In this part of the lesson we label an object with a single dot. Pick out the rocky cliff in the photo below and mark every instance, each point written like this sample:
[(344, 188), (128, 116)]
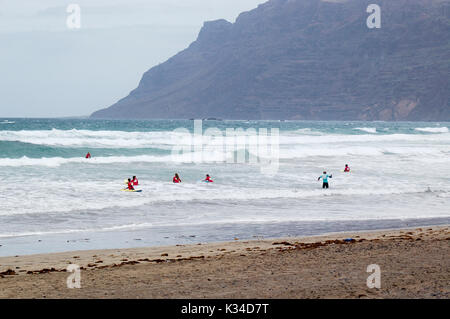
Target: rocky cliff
[(306, 59)]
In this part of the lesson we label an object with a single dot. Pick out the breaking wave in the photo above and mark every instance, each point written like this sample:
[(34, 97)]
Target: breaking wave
[(167, 139), (433, 129), (367, 129)]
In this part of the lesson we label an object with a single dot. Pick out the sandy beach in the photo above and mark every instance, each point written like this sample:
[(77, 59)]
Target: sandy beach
[(414, 263)]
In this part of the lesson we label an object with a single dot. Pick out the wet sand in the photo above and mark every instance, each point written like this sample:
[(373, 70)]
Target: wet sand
[(414, 263)]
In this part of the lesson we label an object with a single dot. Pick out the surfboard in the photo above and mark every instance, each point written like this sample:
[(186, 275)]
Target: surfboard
[(132, 191)]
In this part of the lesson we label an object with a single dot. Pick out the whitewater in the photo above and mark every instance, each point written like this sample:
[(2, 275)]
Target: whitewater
[(53, 199)]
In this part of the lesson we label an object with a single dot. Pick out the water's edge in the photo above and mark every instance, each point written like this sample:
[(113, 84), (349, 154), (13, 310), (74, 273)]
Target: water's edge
[(170, 236)]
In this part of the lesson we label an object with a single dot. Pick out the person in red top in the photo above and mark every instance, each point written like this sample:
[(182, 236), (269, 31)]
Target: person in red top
[(88, 155), (176, 178), (135, 181), (130, 185), (346, 169), (208, 179)]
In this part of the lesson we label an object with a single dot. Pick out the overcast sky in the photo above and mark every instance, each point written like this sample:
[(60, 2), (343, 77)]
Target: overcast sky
[(49, 70)]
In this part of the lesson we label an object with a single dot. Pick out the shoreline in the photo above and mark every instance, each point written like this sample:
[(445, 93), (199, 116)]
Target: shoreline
[(163, 236), (414, 263), (59, 260)]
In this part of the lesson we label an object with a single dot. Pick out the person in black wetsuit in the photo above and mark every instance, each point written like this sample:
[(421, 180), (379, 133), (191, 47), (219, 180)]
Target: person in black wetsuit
[(324, 178)]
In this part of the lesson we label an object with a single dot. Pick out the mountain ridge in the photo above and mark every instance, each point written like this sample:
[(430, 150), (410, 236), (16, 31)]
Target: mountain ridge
[(306, 60)]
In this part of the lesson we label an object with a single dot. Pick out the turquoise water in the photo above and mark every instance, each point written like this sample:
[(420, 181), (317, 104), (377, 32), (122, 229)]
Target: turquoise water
[(53, 199)]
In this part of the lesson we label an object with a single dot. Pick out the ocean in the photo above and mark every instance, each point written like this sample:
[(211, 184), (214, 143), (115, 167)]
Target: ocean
[(53, 199)]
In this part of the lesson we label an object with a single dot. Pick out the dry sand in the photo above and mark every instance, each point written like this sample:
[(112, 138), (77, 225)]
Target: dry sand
[(414, 264)]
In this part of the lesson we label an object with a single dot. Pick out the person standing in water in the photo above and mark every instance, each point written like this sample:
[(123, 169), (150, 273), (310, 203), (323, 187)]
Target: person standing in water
[(130, 185), (208, 179), (347, 169), (176, 179), (88, 155), (324, 178)]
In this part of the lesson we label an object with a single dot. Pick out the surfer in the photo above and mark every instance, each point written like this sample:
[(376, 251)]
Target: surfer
[(208, 179), (135, 181), (130, 185), (347, 169), (88, 155), (324, 178), (176, 179)]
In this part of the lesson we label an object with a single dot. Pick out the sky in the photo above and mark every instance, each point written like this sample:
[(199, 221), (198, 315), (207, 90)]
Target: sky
[(50, 70)]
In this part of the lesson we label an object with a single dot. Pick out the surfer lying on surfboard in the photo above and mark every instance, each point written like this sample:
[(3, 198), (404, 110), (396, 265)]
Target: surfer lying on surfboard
[(208, 179)]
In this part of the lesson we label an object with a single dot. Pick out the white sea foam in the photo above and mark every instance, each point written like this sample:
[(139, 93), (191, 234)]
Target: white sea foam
[(218, 155), (207, 156), (390, 177), (229, 219), (97, 195), (210, 217), (363, 138), (376, 150), (96, 139), (58, 161), (367, 129), (433, 129), (166, 140)]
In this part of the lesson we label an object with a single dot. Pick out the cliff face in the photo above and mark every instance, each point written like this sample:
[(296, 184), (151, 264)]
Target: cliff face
[(306, 59)]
